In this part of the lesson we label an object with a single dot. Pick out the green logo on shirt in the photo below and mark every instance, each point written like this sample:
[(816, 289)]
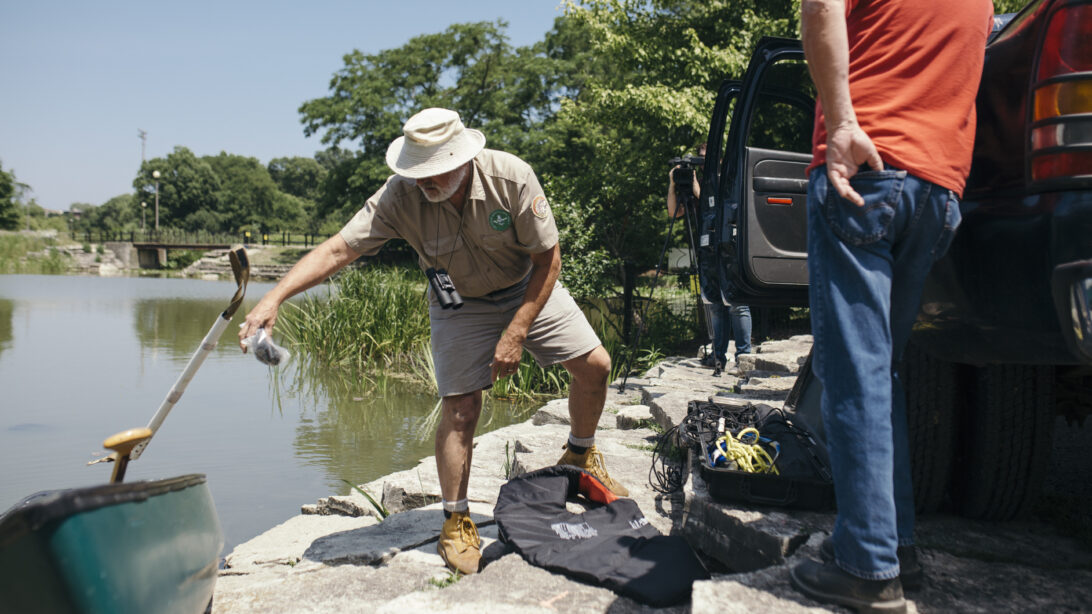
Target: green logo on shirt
[(499, 219)]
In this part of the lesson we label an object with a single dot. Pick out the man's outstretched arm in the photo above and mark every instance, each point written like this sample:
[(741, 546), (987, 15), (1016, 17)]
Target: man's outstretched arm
[(322, 262)]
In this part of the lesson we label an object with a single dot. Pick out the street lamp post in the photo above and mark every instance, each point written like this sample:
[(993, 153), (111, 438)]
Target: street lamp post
[(155, 175), (143, 214)]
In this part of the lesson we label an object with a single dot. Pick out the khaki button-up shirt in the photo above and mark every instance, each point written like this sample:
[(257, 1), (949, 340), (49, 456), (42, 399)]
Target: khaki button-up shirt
[(485, 248)]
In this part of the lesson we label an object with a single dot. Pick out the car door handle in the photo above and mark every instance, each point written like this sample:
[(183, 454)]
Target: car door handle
[(779, 184)]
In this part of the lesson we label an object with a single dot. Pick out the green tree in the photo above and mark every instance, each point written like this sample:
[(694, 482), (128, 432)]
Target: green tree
[(1008, 6), (645, 98), (303, 179), (469, 67), (249, 198), (82, 216), (335, 204), (119, 213), (187, 185), (298, 176), (9, 209)]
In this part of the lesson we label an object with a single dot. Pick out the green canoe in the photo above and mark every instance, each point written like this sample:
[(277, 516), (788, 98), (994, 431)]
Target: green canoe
[(150, 546)]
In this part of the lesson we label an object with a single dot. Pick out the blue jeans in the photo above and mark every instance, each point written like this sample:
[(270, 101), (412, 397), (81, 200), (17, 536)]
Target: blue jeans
[(867, 266), (735, 322)]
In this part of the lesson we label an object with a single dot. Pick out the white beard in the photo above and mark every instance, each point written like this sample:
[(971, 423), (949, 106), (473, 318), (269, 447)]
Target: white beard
[(446, 191)]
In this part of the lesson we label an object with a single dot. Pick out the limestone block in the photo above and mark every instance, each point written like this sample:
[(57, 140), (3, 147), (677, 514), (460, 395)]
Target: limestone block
[(397, 499), (557, 412), (285, 543), (554, 412), (741, 537), (768, 385), (669, 408), (634, 416), (379, 542)]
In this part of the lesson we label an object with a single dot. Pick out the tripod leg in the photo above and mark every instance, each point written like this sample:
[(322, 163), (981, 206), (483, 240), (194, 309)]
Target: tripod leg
[(644, 309)]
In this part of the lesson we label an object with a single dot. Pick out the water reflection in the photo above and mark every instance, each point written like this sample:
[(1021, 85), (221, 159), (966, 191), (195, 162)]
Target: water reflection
[(83, 358), (7, 308), (177, 325), (359, 429)]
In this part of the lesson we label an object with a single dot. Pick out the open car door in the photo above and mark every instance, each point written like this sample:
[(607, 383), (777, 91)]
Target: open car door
[(759, 187)]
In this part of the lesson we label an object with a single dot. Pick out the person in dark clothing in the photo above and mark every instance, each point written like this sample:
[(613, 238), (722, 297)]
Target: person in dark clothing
[(729, 321)]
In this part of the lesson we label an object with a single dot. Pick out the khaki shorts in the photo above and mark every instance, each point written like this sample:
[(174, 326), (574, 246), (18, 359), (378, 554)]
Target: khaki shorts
[(464, 340)]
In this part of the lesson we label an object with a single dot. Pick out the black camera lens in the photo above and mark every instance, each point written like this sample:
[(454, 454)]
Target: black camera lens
[(683, 176)]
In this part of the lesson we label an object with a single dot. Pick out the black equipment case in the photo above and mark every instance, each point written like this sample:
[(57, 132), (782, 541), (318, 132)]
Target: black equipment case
[(804, 478)]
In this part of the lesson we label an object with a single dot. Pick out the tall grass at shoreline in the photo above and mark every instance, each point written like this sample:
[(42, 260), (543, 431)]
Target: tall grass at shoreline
[(373, 323), (30, 255), (369, 319)]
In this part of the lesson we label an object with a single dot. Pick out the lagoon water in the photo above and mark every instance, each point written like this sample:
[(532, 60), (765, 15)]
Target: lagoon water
[(82, 358)]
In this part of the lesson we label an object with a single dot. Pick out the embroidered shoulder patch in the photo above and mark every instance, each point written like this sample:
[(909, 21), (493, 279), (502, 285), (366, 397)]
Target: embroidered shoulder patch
[(540, 207), (499, 220)]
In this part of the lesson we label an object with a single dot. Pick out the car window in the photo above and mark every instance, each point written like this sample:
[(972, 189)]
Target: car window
[(722, 153), (784, 110)]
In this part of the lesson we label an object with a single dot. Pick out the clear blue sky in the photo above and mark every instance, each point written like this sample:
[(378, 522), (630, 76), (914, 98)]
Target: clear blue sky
[(79, 78)]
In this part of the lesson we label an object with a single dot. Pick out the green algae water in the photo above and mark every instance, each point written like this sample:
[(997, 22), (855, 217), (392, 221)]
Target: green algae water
[(82, 358)]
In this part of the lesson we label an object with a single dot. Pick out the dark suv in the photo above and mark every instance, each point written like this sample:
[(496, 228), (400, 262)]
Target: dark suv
[(1003, 341)]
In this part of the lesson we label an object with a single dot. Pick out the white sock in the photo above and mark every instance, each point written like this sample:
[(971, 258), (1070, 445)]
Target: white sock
[(581, 442), (462, 505)]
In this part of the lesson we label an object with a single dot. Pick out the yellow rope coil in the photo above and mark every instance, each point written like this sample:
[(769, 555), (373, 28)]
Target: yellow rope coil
[(748, 456)]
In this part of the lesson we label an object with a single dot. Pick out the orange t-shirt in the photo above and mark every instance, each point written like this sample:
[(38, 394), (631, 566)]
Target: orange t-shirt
[(914, 69)]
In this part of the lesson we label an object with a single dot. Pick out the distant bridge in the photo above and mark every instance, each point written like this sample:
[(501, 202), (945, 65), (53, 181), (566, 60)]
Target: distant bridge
[(153, 254), (151, 247)]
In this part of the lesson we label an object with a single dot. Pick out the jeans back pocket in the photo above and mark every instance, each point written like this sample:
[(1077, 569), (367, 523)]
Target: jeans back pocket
[(866, 224), (952, 218)]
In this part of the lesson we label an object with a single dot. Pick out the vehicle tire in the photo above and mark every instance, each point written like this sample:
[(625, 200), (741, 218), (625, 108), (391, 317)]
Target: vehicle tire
[(1007, 429), (933, 396)]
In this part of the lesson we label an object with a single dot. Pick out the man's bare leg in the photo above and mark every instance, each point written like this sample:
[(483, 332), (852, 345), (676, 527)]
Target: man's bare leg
[(587, 390), (455, 443), (459, 545), (587, 394)]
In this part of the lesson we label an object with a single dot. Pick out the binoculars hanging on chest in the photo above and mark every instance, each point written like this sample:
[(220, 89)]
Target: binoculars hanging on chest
[(443, 289)]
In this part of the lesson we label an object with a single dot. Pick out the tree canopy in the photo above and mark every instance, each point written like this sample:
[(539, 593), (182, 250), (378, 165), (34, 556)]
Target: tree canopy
[(9, 211), (614, 90)]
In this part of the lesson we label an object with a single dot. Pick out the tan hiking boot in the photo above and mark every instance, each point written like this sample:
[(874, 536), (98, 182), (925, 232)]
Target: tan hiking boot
[(592, 462), (459, 545)]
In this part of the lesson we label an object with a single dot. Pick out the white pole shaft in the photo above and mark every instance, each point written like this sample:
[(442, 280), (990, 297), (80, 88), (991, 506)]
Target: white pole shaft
[(207, 345)]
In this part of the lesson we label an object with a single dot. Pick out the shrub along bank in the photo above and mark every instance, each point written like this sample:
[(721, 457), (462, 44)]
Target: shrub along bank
[(29, 254)]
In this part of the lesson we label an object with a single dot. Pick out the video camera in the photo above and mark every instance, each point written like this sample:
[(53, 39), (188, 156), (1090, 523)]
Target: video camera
[(684, 175)]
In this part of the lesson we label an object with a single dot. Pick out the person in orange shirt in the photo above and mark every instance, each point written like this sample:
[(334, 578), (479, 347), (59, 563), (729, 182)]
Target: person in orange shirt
[(894, 131)]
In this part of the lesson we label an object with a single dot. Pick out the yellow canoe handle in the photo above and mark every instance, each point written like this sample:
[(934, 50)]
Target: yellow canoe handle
[(124, 442)]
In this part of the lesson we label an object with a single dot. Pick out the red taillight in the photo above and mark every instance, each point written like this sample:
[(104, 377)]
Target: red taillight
[(1063, 164), (1060, 138), (1067, 47)]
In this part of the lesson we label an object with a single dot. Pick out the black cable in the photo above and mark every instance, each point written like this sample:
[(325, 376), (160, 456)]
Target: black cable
[(666, 476), (700, 426), (667, 473)]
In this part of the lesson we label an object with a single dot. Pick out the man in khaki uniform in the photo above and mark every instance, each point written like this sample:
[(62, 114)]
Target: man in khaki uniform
[(480, 215)]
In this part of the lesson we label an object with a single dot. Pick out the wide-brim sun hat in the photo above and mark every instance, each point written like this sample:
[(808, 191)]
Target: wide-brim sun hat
[(435, 141)]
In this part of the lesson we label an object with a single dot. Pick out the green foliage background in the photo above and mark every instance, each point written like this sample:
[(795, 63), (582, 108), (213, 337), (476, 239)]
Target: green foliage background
[(9, 213), (613, 91)]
